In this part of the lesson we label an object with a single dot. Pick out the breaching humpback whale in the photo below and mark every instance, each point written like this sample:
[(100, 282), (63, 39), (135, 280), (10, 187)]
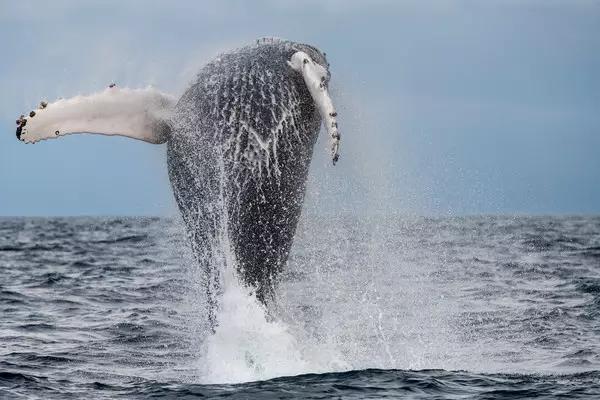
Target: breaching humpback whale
[(240, 141)]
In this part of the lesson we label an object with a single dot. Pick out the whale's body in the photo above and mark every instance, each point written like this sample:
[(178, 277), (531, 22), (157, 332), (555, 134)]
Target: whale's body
[(244, 134), (240, 142)]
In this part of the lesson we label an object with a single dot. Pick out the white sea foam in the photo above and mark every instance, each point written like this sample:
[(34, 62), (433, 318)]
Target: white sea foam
[(248, 347), (249, 344)]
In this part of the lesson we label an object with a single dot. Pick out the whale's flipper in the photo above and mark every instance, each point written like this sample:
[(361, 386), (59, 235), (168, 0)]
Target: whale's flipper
[(316, 78), (141, 114)]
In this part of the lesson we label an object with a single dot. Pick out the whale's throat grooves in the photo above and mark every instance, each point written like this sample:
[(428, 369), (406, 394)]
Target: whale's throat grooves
[(239, 156)]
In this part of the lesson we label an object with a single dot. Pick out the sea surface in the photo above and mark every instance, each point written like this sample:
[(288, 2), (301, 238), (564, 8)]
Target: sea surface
[(370, 307)]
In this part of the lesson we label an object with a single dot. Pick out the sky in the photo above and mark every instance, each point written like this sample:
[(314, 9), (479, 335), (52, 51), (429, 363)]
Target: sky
[(445, 107)]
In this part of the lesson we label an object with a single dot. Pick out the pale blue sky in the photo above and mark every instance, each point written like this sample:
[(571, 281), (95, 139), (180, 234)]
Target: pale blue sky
[(446, 107)]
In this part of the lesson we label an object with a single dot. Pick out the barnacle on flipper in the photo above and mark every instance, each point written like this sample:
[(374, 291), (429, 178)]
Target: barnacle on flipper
[(21, 122)]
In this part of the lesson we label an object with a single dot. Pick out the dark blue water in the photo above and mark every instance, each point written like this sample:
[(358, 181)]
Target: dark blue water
[(480, 307)]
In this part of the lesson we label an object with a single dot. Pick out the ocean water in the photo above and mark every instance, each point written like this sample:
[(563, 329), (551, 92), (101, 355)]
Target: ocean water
[(370, 307)]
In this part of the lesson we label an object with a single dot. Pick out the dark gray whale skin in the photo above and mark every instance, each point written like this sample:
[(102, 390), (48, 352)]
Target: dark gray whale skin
[(234, 192)]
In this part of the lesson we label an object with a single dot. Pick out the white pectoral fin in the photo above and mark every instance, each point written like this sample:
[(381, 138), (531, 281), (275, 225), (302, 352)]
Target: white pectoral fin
[(315, 77), (136, 113)]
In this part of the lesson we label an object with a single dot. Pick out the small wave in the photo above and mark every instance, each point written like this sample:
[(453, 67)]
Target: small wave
[(16, 378), (544, 341), (580, 353), (590, 285), (124, 239), (8, 249), (66, 302), (36, 327), (539, 244), (52, 278), (591, 252), (81, 264), (575, 362), (41, 359), (53, 247), (11, 297), (26, 248)]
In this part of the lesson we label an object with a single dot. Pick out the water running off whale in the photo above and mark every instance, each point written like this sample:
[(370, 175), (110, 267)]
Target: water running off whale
[(240, 141)]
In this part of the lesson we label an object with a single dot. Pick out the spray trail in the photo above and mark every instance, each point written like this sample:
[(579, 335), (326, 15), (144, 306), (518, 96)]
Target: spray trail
[(247, 345)]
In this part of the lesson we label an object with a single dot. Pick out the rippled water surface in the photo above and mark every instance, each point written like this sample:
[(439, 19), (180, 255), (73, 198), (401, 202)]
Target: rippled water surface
[(476, 307)]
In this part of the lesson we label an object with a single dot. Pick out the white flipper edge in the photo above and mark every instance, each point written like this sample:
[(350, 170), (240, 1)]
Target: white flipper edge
[(315, 77), (141, 114)]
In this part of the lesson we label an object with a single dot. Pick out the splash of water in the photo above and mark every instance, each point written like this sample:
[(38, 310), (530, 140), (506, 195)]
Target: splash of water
[(252, 343), (248, 343)]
